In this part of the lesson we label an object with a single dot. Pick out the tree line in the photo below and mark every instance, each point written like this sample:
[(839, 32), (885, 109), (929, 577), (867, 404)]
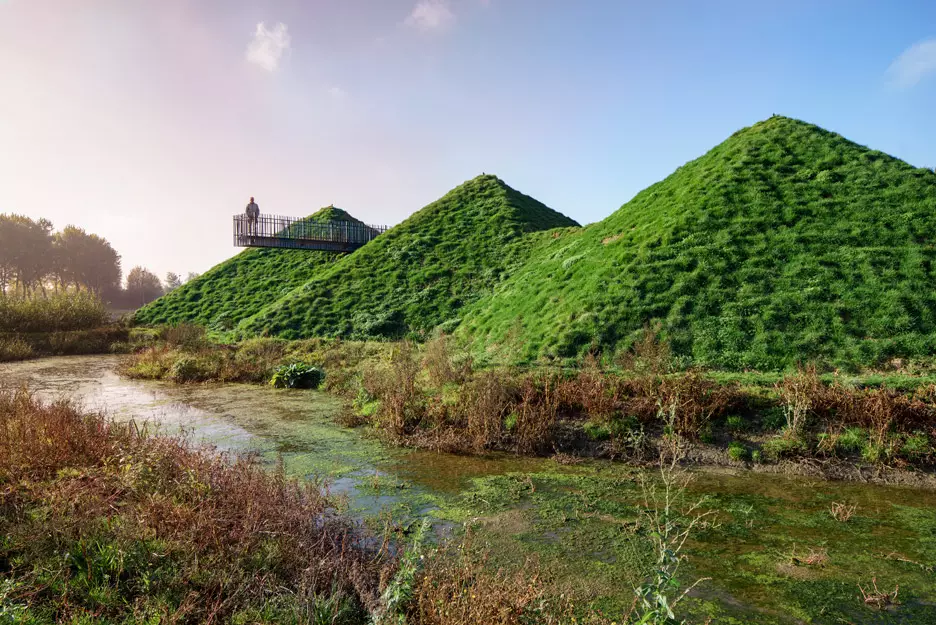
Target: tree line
[(36, 259)]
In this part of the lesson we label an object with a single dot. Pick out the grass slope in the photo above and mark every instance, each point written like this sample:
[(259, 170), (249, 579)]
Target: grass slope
[(419, 274), (785, 242), (240, 286)]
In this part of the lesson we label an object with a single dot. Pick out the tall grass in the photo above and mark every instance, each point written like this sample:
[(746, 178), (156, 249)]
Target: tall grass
[(103, 523), (57, 312)]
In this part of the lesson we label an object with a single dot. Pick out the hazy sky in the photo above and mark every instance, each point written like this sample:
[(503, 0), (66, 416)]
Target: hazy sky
[(151, 122)]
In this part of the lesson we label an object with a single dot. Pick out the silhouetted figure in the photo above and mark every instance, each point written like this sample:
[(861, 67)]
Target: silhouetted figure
[(253, 214)]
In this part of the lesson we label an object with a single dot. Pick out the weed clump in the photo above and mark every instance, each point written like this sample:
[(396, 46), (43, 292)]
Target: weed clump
[(297, 375)]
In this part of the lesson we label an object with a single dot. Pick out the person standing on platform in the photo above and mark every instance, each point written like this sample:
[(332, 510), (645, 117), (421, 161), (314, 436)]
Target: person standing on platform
[(253, 215)]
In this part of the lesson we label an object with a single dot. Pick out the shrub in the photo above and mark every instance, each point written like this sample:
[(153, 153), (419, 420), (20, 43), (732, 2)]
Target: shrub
[(873, 452), (457, 587), (784, 446), (158, 528), (737, 451), (773, 418), (852, 439), (185, 369), (61, 312), (441, 367), (484, 404), (686, 403), (185, 336), (735, 423), (917, 446), (396, 386), (297, 375), (798, 394), (14, 348)]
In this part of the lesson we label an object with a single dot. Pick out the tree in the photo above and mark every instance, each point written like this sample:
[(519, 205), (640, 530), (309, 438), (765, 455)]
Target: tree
[(192, 275), (25, 252), (143, 286), (173, 281), (83, 259)]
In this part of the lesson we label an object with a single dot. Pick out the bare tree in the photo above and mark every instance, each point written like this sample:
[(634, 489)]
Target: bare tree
[(173, 281)]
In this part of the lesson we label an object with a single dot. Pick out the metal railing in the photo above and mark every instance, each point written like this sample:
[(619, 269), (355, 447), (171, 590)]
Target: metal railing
[(292, 232)]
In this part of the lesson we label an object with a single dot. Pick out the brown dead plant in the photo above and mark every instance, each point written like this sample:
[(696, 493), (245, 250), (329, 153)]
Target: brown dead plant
[(877, 599), (441, 365), (842, 512)]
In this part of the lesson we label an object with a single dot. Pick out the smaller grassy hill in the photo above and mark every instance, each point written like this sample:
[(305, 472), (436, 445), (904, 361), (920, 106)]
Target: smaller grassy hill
[(420, 273), (786, 242), (240, 286)]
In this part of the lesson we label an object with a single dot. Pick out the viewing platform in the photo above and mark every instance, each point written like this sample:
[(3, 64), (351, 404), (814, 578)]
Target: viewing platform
[(303, 234)]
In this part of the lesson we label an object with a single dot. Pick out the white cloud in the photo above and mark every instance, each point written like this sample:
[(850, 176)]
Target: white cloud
[(267, 47), (431, 15), (916, 63), (337, 93)]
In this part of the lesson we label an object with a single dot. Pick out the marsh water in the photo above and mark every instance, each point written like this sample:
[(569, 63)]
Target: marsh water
[(772, 548)]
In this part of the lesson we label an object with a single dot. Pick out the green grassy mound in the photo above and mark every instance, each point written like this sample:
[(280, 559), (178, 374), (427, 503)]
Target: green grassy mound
[(784, 243), (419, 274), (242, 285)]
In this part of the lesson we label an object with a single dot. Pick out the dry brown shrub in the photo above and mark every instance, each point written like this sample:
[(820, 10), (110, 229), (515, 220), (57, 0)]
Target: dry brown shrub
[(213, 514), (842, 512), (592, 391), (686, 402), (184, 335), (458, 587), (537, 411), (803, 395), (649, 355), (441, 365), (396, 385), (882, 410), (484, 402), (876, 598)]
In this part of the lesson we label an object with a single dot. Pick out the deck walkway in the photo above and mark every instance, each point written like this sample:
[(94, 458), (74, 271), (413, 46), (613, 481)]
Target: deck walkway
[(303, 234)]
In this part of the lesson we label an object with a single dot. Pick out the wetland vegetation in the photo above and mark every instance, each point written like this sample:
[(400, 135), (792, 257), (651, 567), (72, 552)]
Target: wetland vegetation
[(513, 531)]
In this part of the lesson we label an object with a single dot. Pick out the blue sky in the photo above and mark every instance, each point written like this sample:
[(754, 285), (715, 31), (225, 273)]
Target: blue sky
[(150, 123)]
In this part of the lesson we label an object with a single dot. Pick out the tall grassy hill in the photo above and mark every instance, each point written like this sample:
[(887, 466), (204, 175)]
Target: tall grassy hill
[(420, 273), (784, 243), (242, 285)]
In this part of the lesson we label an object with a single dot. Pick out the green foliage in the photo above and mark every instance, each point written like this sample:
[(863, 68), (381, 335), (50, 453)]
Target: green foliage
[(410, 280), (735, 423), (57, 312), (14, 348), (852, 440), (773, 418), (240, 286), (784, 447), (297, 375), (917, 446), (399, 591), (737, 451), (784, 243), (419, 274), (185, 369)]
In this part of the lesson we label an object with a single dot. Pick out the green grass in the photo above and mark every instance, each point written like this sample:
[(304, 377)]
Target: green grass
[(242, 285), (786, 242), (419, 274)]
